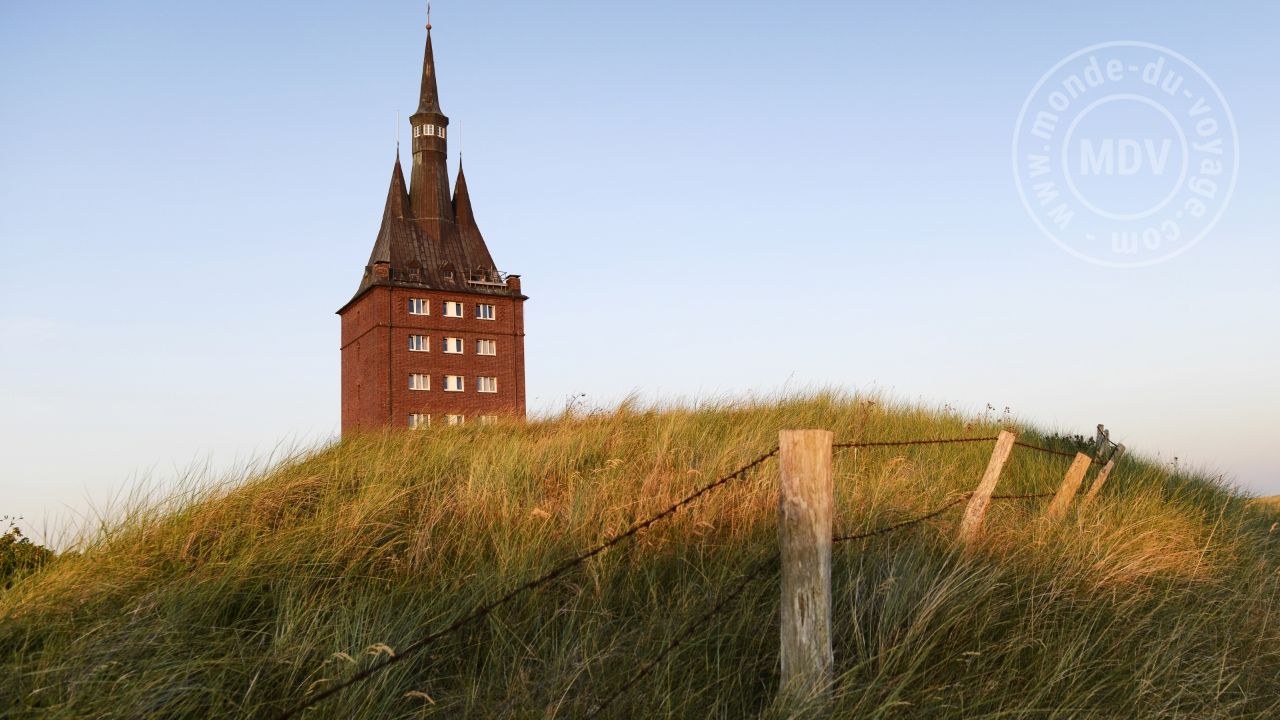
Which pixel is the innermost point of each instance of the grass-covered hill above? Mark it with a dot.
(1161, 601)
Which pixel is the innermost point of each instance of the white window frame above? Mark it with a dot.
(488, 419)
(483, 308)
(455, 419)
(440, 132)
(459, 380)
(423, 303)
(454, 309)
(491, 345)
(486, 384)
(422, 344)
(454, 346)
(417, 421)
(416, 386)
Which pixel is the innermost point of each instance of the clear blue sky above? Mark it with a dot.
(703, 198)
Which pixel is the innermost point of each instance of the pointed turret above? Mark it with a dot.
(473, 246)
(396, 234)
(399, 253)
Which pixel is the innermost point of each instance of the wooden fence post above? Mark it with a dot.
(1103, 474)
(971, 525)
(804, 533)
(1070, 486)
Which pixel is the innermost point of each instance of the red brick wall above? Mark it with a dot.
(377, 362)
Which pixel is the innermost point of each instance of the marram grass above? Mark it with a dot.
(1161, 601)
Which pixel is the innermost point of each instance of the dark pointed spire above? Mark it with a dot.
(462, 213)
(429, 97)
(429, 187)
(397, 232)
(474, 249)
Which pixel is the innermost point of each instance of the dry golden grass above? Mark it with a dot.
(1160, 601)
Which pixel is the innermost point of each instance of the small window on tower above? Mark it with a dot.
(419, 343)
(453, 309)
(441, 133)
(417, 130)
(419, 381)
(453, 346)
(419, 420)
(484, 311)
(419, 306)
(486, 347)
(429, 130)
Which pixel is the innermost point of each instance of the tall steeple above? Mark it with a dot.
(429, 97)
(429, 187)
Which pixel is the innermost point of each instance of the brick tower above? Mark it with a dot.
(435, 333)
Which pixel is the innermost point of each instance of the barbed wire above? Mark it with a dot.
(483, 610)
(1051, 451)
(904, 524)
(688, 631)
(931, 515)
(901, 443)
(1028, 496)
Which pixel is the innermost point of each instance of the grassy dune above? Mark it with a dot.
(1162, 601)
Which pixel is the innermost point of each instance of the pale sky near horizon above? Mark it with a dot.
(703, 199)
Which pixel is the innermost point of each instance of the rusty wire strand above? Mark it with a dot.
(482, 611)
(902, 443)
(1028, 496)
(1050, 451)
(905, 523)
(687, 632)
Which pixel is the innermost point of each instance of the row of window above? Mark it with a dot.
(422, 420)
(453, 383)
(421, 306)
(451, 345)
(428, 131)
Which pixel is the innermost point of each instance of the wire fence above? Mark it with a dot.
(755, 572)
(1047, 451)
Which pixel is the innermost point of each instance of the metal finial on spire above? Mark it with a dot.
(428, 15)
(397, 132)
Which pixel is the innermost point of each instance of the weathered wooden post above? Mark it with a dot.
(976, 511)
(1070, 486)
(804, 532)
(1103, 474)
